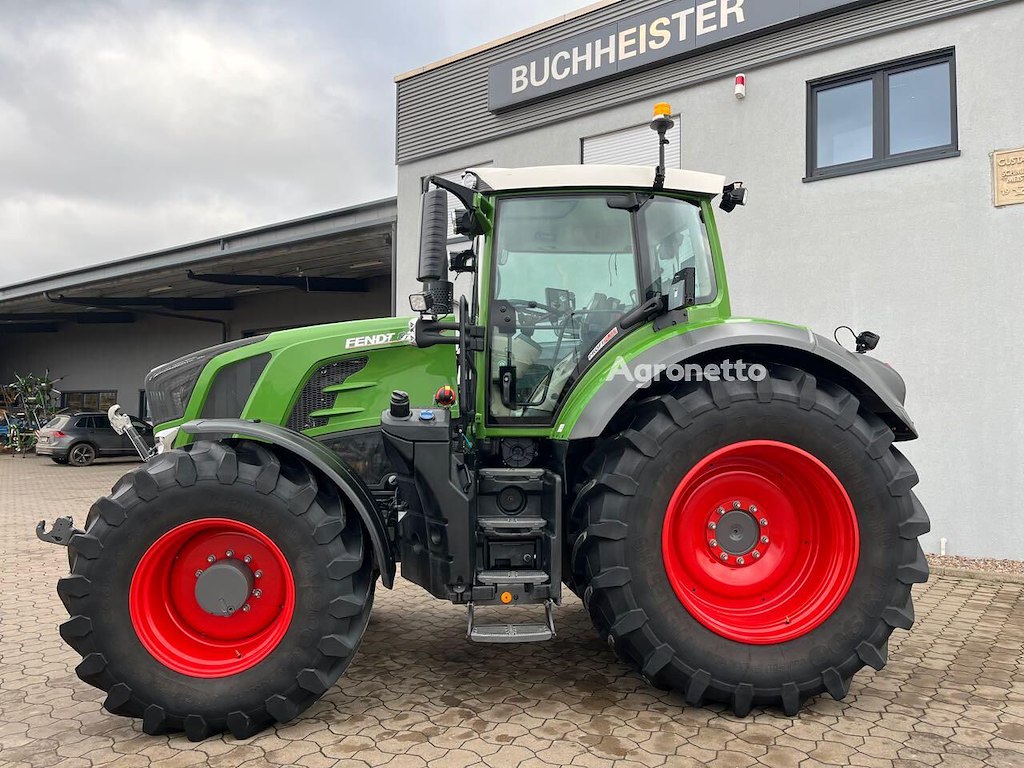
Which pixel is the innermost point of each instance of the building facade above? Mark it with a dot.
(101, 329)
(870, 138)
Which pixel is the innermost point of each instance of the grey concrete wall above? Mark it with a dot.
(918, 254)
(104, 357)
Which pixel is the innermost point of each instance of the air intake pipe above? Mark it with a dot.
(434, 236)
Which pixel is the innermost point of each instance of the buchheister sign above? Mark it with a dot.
(669, 31)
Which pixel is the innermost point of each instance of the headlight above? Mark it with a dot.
(169, 386)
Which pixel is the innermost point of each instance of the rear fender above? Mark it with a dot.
(879, 388)
(320, 457)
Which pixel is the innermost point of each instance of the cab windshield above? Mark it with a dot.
(568, 268)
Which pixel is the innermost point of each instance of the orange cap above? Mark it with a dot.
(662, 108)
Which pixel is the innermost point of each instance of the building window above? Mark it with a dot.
(633, 146)
(879, 117)
(89, 401)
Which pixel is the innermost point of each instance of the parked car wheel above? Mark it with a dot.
(82, 454)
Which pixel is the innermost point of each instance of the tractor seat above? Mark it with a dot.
(603, 312)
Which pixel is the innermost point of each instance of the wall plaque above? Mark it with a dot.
(1008, 174)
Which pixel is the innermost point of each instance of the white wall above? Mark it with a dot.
(918, 254)
(105, 357)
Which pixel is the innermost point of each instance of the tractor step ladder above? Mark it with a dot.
(529, 526)
(513, 633)
(512, 577)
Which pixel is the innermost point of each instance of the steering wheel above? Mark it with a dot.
(535, 311)
(532, 306)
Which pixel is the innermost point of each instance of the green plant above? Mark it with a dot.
(36, 397)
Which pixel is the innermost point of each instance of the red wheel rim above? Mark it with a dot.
(174, 627)
(805, 538)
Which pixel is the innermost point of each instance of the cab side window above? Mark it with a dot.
(676, 238)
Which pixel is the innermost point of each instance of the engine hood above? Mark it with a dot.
(339, 375)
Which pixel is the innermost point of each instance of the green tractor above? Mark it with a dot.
(723, 494)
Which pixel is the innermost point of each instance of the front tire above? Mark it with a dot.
(681, 595)
(183, 653)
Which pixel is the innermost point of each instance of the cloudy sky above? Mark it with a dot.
(131, 125)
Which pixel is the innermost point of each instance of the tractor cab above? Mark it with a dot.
(566, 269)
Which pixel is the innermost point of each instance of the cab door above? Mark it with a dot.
(565, 270)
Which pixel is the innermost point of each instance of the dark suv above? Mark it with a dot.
(79, 438)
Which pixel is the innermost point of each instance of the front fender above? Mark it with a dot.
(879, 387)
(314, 453)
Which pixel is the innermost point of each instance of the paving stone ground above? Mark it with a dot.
(417, 694)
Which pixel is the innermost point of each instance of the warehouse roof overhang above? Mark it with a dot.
(337, 250)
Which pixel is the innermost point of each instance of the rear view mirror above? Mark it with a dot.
(625, 202)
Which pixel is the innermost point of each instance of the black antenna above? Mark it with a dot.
(662, 123)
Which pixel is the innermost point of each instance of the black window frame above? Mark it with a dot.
(879, 75)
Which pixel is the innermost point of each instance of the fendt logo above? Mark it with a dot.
(376, 340)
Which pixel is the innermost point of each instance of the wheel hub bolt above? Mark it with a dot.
(257, 593)
(721, 510)
(740, 561)
(753, 509)
(199, 573)
(258, 574)
(755, 554)
(211, 558)
(229, 553)
(247, 559)
(724, 557)
(246, 608)
(764, 522)
(764, 539)
(713, 543)
(735, 505)
(712, 525)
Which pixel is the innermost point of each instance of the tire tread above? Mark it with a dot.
(600, 515)
(349, 573)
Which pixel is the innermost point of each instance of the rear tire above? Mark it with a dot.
(677, 619)
(241, 487)
(82, 454)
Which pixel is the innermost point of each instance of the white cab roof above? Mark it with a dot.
(579, 176)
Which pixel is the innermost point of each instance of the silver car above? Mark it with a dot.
(80, 438)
